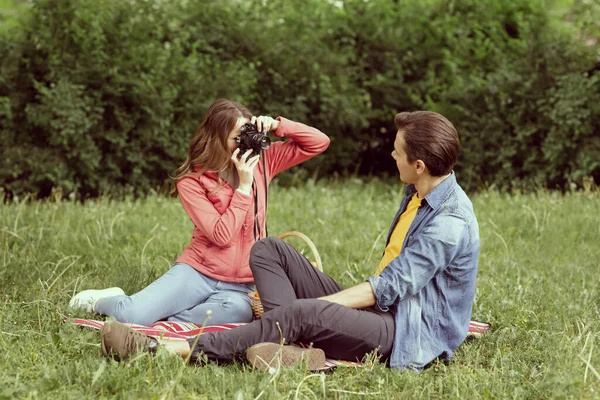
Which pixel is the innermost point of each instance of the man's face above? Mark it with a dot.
(407, 170)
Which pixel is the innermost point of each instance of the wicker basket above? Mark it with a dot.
(257, 308)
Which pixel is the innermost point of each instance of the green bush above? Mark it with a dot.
(103, 97)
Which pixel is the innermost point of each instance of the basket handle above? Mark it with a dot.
(312, 246)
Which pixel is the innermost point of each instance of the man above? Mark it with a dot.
(414, 309)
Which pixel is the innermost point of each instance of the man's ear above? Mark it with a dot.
(420, 167)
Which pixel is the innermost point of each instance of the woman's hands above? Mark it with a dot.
(265, 123)
(245, 168)
(245, 164)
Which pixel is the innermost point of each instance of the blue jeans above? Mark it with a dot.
(184, 295)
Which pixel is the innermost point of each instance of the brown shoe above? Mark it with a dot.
(120, 341)
(265, 356)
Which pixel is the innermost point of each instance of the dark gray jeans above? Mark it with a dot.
(289, 285)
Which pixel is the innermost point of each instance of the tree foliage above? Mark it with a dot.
(104, 96)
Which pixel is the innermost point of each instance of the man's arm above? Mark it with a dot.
(359, 296)
(410, 271)
(428, 253)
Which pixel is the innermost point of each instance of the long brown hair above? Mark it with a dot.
(208, 149)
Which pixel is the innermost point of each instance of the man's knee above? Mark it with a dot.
(269, 244)
(265, 249)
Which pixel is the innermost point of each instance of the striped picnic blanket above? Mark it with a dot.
(185, 330)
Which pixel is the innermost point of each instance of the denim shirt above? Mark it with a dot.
(430, 286)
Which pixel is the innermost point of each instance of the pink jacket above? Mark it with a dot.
(224, 221)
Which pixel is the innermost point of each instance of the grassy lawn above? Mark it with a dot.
(538, 284)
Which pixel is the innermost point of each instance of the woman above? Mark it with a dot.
(224, 194)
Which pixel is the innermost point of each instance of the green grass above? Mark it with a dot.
(538, 284)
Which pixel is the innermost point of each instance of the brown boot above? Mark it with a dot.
(265, 356)
(120, 341)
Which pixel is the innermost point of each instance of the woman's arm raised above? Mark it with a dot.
(306, 142)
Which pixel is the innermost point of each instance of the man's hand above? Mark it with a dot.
(357, 297)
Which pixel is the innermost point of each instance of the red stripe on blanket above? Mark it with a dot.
(477, 328)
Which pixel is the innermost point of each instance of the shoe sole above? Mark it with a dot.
(264, 356)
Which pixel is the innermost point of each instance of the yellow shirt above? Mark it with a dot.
(394, 247)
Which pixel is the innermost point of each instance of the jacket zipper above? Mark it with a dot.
(238, 255)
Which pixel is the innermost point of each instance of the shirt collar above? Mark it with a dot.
(436, 197)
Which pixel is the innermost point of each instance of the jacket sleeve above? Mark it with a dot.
(427, 254)
(219, 228)
(305, 142)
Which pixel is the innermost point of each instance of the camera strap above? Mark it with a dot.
(255, 192)
(266, 194)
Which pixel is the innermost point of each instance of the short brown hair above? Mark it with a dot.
(429, 137)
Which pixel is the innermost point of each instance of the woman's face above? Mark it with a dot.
(231, 139)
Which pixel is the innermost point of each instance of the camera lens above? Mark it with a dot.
(265, 143)
(260, 141)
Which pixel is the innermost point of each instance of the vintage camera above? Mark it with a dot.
(251, 138)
